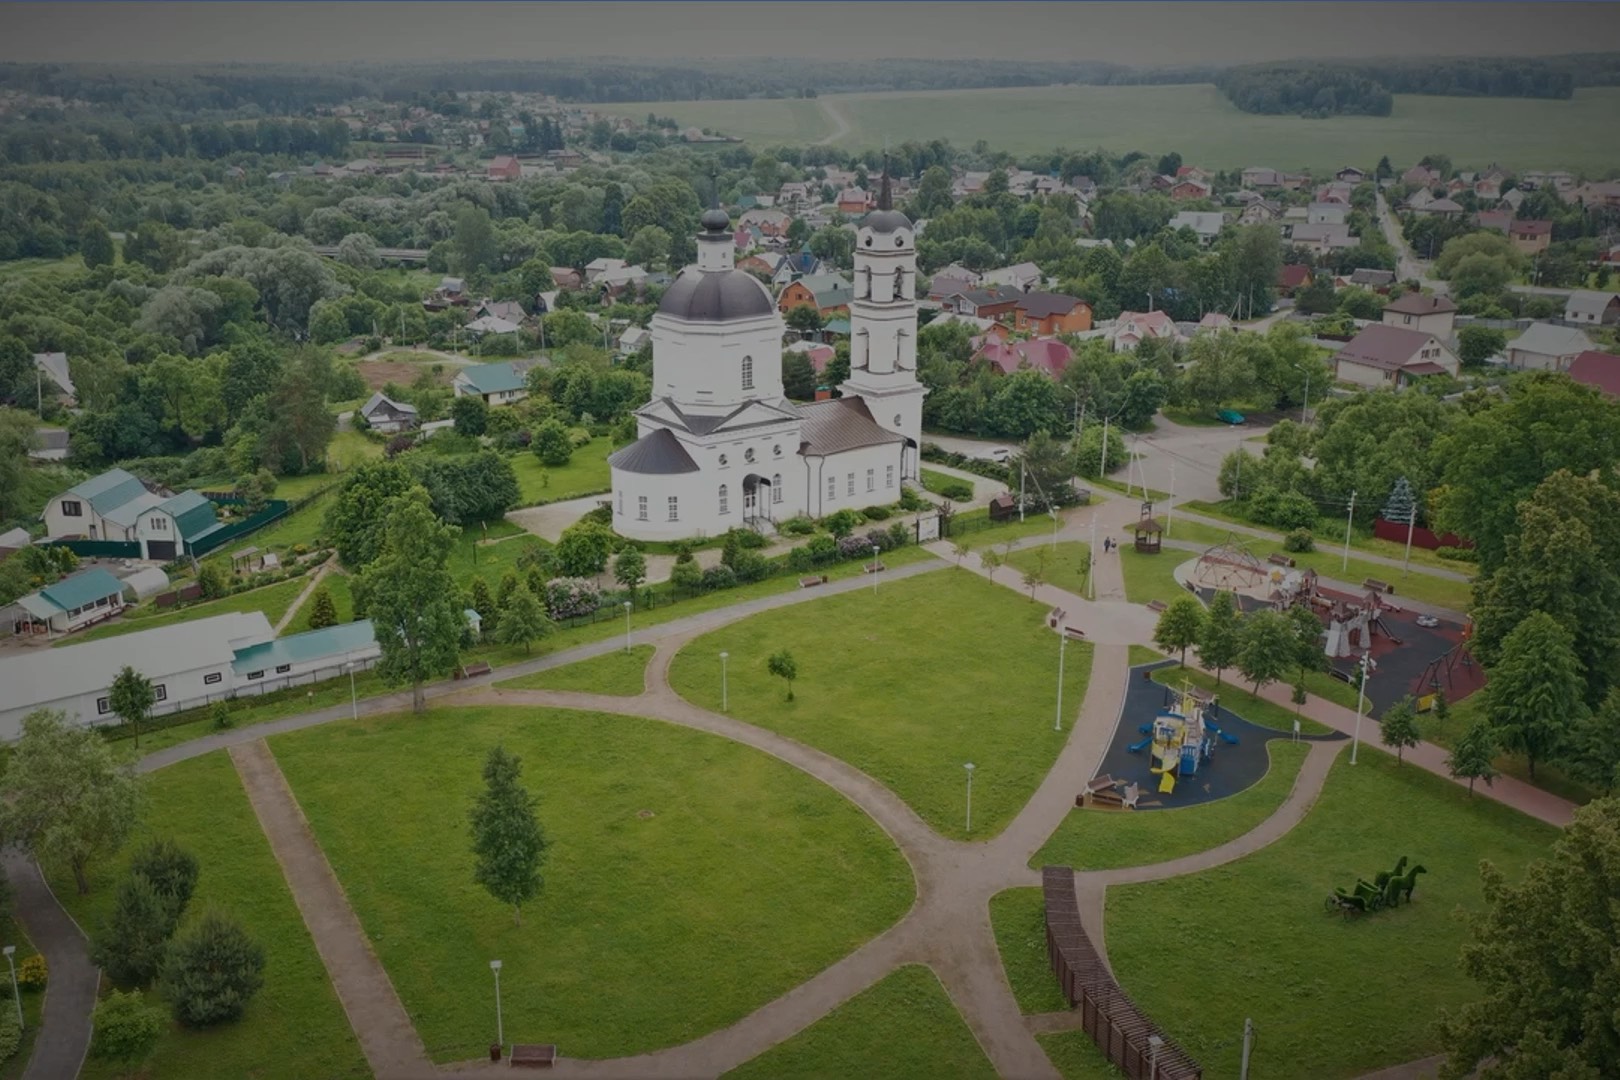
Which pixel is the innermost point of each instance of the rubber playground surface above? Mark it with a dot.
(1232, 767)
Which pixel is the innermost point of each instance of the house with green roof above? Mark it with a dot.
(82, 511)
(173, 527)
(73, 603)
(497, 384)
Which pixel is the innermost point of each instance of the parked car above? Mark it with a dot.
(1231, 416)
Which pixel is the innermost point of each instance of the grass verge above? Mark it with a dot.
(619, 673)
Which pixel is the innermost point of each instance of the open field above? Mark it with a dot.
(904, 1028)
(1252, 938)
(620, 674)
(1063, 565)
(1105, 839)
(1195, 120)
(888, 683)
(689, 880)
(586, 473)
(295, 1026)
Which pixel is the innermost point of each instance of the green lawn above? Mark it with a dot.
(585, 474)
(1105, 839)
(273, 600)
(904, 1028)
(690, 879)
(1196, 120)
(301, 527)
(295, 1026)
(491, 559)
(342, 598)
(1149, 577)
(1018, 917)
(1076, 1056)
(1062, 565)
(1329, 534)
(907, 685)
(1234, 696)
(1549, 777)
(1251, 939)
(620, 673)
(937, 482)
(969, 525)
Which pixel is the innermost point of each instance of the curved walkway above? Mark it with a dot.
(70, 994)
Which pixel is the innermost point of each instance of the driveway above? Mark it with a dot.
(548, 521)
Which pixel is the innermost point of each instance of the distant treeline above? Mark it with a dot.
(1365, 88)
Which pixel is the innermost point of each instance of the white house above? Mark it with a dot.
(1022, 276)
(1206, 223)
(1547, 347)
(81, 510)
(1590, 308)
(1390, 356)
(1430, 314)
(174, 526)
(497, 384)
(721, 446)
(388, 416)
(189, 664)
(73, 603)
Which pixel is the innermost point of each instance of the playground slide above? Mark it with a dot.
(1167, 781)
(1136, 747)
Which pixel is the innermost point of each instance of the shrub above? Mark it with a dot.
(822, 549)
(899, 534)
(31, 973)
(747, 539)
(1284, 509)
(213, 580)
(221, 714)
(719, 577)
(910, 500)
(799, 560)
(211, 971)
(600, 515)
(126, 1028)
(686, 575)
(750, 566)
(877, 513)
(853, 547)
(10, 1034)
(568, 598)
(842, 523)
(130, 944)
(797, 526)
(399, 444)
(1457, 554)
(878, 538)
(171, 869)
(1299, 540)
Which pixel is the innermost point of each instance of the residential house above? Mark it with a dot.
(1420, 176)
(827, 293)
(388, 416)
(1498, 220)
(1599, 370)
(1420, 197)
(1046, 355)
(633, 338)
(818, 353)
(1377, 280)
(1207, 224)
(1591, 308)
(1417, 311)
(1352, 175)
(1390, 356)
(1488, 187)
(1261, 212)
(1046, 314)
(77, 601)
(1293, 277)
(1530, 236)
(189, 664)
(1437, 208)
(1243, 197)
(1191, 188)
(768, 222)
(1547, 347)
(497, 384)
(992, 302)
(1327, 213)
(81, 511)
(980, 327)
(1321, 239)
(763, 264)
(510, 310)
(566, 277)
(1511, 201)
(796, 265)
(1604, 193)
(52, 369)
(853, 201)
(504, 167)
(1257, 177)
(617, 281)
(797, 195)
(174, 527)
(1022, 276)
(1133, 327)
(1336, 193)
(1214, 322)
(451, 292)
(941, 287)
(1296, 181)
(597, 268)
(957, 270)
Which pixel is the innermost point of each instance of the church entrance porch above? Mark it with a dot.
(757, 495)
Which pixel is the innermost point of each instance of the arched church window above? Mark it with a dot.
(899, 241)
(748, 455)
(869, 240)
(776, 488)
(722, 461)
(776, 451)
(723, 499)
(748, 373)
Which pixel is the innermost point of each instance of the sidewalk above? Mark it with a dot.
(64, 1032)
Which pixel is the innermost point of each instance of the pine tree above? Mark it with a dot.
(1400, 728)
(1401, 505)
(1473, 754)
(508, 843)
(523, 619)
(1220, 640)
(322, 611)
(131, 943)
(211, 971)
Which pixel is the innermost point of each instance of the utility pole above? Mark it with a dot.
(1063, 644)
(1020, 491)
(1344, 564)
(1091, 576)
(1170, 507)
(1102, 455)
(1411, 526)
(1361, 703)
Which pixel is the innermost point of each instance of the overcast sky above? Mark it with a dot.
(1130, 33)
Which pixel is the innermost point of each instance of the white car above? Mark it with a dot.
(998, 454)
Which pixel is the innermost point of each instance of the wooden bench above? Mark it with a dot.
(1277, 558)
(534, 1055)
(1156, 606)
(1377, 586)
(471, 671)
(1074, 632)
(872, 568)
(812, 582)
(1055, 617)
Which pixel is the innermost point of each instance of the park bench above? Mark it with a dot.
(812, 581)
(1277, 558)
(1156, 606)
(1074, 632)
(471, 671)
(872, 568)
(534, 1055)
(1377, 586)
(1054, 617)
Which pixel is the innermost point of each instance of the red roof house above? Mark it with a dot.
(1047, 355)
(1599, 370)
(1293, 277)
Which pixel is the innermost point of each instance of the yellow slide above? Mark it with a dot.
(1167, 781)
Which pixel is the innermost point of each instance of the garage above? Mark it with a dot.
(161, 550)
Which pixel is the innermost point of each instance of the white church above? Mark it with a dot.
(719, 444)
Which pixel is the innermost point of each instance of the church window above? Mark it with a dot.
(723, 505)
(674, 508)
(899, 241)
(776, 488)
(776, 451)
(868, 240)
(889, 477)
(621, 504)
(852, 484)
(641, 508)
(722, 461)
(748, 455)
(748, 373)
(832, 488)
(896, 419)
(871, 479)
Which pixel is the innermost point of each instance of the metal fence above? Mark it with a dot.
(99, 549)
(273, 510)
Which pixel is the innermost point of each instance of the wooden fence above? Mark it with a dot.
(1107, 1014)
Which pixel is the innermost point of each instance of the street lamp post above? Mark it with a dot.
(11, 952)
(500, 1029)
(725, 701)
(874, 569)
(969, 768)
(627, 626)
(1063, 645)
(1361, 701)
(354, 699)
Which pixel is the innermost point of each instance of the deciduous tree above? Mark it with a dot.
(126, 1028)
(523, 619)
(782, 665)
(410, 597)
(1400, 728)
(509, 846)
(1534, 694)
(1266, 647)
(1474, 753)
(630, 569)
(1180, 625)
(1220, 641)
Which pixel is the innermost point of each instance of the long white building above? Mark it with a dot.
(720, 445)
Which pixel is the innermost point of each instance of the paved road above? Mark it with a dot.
(70, 994)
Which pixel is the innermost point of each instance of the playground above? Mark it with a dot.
(1413, 652)
(1175, 747)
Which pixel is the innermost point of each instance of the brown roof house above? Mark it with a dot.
(1530, 236)
(1389, 356)
(1292, 278)
(1599, 370)
(1415, 311)
(1047, 314)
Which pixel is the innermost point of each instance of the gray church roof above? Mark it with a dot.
(658, 453)
(710, 296)
(840, 424)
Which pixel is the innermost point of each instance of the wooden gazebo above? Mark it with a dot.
(1149, 534)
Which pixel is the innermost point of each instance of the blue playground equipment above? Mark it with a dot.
(1136, 747)
(1228, 739)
